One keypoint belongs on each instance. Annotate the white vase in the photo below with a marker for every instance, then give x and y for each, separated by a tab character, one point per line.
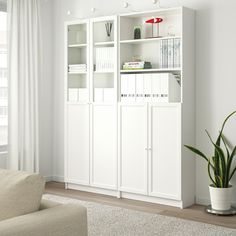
221	198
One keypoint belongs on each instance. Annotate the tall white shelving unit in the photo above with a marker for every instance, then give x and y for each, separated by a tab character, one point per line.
125	129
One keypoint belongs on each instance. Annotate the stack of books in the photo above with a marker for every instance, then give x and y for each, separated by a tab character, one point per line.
104	59
170	53
137	65
77	68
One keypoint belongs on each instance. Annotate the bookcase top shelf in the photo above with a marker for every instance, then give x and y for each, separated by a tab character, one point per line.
160	12
147	40
152	70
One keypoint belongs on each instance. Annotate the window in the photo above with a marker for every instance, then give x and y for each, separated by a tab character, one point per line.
3	81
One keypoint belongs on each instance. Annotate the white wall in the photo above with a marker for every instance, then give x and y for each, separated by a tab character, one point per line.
215	64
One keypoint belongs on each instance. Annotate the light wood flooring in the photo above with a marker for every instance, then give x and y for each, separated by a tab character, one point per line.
195	213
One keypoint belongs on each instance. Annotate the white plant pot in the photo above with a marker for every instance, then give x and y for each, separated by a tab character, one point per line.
221	198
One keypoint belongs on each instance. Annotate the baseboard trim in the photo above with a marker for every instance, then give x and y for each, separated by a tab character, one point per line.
58	178
54	178
48	178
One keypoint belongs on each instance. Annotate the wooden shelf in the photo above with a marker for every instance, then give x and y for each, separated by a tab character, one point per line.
151	70
104	43
77	45
147	40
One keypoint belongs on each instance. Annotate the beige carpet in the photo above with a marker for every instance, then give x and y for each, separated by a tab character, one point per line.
106	220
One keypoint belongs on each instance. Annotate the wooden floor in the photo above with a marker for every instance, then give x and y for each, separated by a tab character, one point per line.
195	213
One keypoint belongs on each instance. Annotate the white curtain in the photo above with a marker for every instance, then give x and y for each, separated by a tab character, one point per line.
24	74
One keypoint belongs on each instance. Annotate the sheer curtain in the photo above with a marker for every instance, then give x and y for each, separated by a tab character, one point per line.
24	75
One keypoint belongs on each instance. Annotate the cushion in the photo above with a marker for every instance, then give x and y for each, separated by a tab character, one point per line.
20	193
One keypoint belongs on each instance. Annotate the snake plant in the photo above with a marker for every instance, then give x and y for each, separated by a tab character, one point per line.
220	168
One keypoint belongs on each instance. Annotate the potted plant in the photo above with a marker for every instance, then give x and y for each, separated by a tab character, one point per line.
220	169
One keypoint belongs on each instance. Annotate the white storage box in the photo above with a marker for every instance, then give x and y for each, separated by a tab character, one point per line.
73	95
83	94
108	94
98	95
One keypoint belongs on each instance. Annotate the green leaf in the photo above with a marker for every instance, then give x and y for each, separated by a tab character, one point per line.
229	163
209	172
232	174
226	119
226	148
196	151
222	164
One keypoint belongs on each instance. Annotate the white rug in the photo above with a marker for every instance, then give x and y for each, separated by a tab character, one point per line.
106	220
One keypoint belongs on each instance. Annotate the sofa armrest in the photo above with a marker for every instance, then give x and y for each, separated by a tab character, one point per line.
62	220
45	204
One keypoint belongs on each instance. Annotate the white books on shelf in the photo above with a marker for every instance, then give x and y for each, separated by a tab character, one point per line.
170	53
104	59
177	47
77	68
164	53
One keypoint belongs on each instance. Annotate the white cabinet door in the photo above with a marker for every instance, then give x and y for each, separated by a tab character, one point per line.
165	141
77	144
104	146
132	148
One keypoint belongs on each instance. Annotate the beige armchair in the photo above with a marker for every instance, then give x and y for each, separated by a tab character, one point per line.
51	220
23	213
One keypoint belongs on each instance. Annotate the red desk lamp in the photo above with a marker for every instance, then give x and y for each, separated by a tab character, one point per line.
154	21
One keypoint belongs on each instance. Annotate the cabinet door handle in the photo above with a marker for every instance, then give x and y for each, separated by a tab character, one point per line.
148	149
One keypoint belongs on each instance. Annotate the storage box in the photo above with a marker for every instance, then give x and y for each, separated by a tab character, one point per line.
109	95
73	94
98	95
83	94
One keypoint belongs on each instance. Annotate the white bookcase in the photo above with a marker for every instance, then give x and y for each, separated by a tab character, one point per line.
125	129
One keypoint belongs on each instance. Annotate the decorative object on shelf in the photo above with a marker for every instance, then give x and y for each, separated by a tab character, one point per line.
154	21
170	53
108	26
220	170
137	65
137	32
